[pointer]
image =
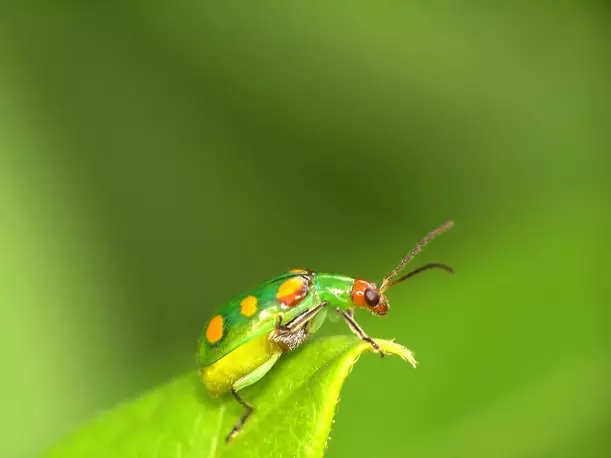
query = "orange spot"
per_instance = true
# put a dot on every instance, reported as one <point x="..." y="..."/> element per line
<point x="292" y="291"/>
<point x="298" y="271"/>
<point x="248" y="306"/>
<point x="215" y="329"/>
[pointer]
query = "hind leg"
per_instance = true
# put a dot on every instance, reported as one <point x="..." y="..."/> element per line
<point x="242" y="383"/>
<point x="288" y="337"/>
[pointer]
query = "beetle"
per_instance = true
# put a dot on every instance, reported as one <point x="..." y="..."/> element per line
<point x="247" y="336"/>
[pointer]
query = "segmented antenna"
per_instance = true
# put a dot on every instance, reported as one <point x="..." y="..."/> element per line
<point x="386" y="283"/>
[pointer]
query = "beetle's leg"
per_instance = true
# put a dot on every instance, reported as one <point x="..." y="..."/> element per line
<point x="289" y="340"/>
<point x="354" y="326"/>
<point x="249" y="409"/>
<point x="279" y="321"/>
<point x="300" y="320"/>
<point x="244" y="382"/>
<point x="296" y="331"/>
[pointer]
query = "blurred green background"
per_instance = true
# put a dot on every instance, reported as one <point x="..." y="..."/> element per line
<point x="158" y="158"/>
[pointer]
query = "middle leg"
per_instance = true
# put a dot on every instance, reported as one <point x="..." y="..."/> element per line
<point x="292" y="334"/>
<point x="301" y="320"/>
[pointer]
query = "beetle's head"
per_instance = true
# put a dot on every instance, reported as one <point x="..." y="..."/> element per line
<point x="366" y="294"/>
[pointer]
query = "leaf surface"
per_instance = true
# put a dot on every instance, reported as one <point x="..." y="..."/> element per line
<point x="294" y="408"/>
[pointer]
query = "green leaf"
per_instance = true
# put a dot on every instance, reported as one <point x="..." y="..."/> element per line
<point x="294" y="408"/>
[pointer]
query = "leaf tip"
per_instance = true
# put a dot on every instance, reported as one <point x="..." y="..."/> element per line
<point x="393" y="348"/>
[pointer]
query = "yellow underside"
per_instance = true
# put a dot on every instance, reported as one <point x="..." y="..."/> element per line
<point x="220" y="376"/>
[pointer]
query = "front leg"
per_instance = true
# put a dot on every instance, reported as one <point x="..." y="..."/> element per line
<point x="354" y="326"/>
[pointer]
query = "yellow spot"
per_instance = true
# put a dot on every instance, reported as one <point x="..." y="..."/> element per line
<point x="215" y="329"/>
<point x="248" y="306"/>
<point x="290" y="287"/>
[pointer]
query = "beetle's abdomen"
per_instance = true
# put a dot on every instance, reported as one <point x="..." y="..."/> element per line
<point x="220" y="376"/>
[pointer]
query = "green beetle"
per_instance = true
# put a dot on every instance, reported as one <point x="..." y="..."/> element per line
<point x="245" y="338"/>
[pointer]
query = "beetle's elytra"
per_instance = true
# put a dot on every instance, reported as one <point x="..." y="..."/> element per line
<point x="246" y="336"/>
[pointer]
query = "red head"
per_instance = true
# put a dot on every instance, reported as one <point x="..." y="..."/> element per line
<point x="366" y="294"/>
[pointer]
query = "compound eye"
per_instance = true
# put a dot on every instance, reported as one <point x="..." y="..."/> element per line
<point x="372" y="297"/>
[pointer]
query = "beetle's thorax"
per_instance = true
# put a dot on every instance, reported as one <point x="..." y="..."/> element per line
<point x="335" y="289"/>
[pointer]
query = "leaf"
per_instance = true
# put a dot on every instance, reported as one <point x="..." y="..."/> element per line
<point x="294" y="408"/>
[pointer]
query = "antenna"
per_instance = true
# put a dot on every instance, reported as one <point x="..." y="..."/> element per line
<point x="387" y="283"/>
<point x="432" y="265"/>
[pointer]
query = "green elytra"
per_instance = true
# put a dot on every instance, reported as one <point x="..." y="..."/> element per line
<point x="238" y="328"/>
<point x="247" y="336"/>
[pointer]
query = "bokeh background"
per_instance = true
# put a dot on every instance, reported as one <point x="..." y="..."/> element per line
<point x="158" y="158"/>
